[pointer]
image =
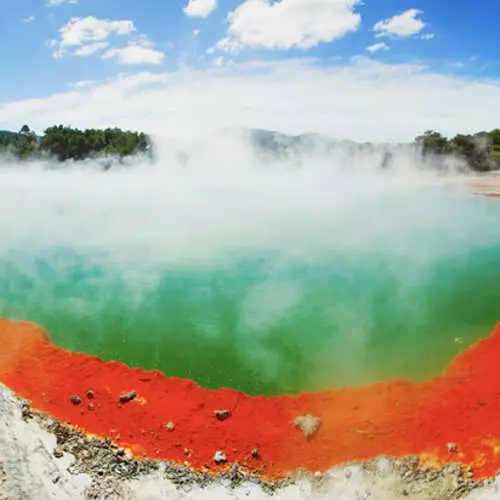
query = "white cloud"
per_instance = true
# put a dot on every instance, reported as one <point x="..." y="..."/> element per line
<point x="427" y="36"/>
<point x="200" y="8"/>
<point x="81" y="32"/>
<point x="222" y="62"/>
<point x="60" y="2"/>
<point x="136" y="52"/>
<point x="28" y="20"/>
<point x="90" y="49"/>
<point x="83" y="83"/>
<point x="361" y="100"/>
<point x="287" y="24"/>
<point x="228" y="45"/>
<point x="376" y="47"/>
<point x="403" y="25"/>
<point x="88" y="36"/>
<point x="196" y="32"/>
<point x="90" y="29"/>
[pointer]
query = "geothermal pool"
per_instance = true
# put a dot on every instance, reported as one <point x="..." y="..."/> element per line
<point x="267" y="284"/>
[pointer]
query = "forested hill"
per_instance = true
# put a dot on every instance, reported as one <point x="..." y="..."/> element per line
<point x="66" y="143"/>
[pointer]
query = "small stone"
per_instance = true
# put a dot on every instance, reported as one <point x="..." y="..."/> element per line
<point x="90" y="394"/>
<point x="452" y="447"/>
<point x="318" y="475"/>
<point x="170" y="426"/>
<point x="58" y="452"/>
<point x="128" y="397"/>
<point x="222" y="414"/>
<point x="76" y="400"/>
<point x="26" y="410"/>
<point x="120" y="452"/>
<point x="309" y="425"/>
<point x="91" y="406"/>
<point x="256" y="453"/>
<point x="220" y="458"/>
<point x="56" y="477"/>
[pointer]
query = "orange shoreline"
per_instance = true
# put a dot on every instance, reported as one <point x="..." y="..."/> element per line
<point x="397" y="418"/>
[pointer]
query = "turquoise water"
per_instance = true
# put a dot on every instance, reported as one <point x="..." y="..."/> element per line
<point x="392" y="289"/>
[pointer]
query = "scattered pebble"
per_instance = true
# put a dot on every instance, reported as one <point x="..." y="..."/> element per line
<point x="170" y="426"/>
<point x="58" y="452"/>
<point x="90" y="394"/>
<point x="26" y="410"/>
<point x="255" y="453"/>
<point x="222" y="414"/>
<point x="76" y="400"/>
<point x="128" y="397"/>
<point x="220" y="458"/>
<point x="309" y="425"/>
<point x="452" y="447"/>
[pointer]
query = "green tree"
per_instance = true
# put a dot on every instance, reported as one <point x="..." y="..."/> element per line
<point x="433" y="142"/>
<point x="25" y="144"/>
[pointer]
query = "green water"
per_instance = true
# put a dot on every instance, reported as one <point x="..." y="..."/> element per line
<point x="269" y="321"/>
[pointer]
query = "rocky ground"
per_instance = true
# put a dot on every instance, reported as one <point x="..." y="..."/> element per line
<point x="41" y="459"/>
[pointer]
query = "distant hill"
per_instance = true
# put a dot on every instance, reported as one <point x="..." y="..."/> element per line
<point x="479" y="152"/>
<point x="303" y="148"/>
<point x="7" y="138"/>
<point x="7" y="133"/>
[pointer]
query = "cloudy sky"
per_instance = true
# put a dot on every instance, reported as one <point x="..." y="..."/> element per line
<point x="366" y="70"/>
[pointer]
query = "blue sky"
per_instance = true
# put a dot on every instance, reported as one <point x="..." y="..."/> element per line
<point x="463" y="35"/>
<point x="45" y="54"/>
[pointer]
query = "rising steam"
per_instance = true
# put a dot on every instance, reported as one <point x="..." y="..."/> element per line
<point x="240" y="267"/>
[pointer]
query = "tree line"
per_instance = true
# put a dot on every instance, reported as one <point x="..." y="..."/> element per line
<point x="480" y="151"/>
<point x="67" y="143"/>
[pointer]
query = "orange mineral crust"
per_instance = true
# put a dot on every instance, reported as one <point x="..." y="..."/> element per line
<point x="453" y="418"/>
